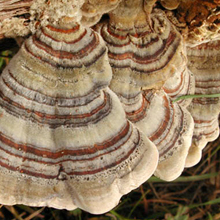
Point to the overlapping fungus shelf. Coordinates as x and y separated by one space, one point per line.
204 63
181 83
64 138
167 125
144 52
143 49
72 134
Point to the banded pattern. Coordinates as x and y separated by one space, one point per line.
167 125
63 133
182 83
144 54
141 53
204 63
206 129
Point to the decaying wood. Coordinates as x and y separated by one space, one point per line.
13 9
197 20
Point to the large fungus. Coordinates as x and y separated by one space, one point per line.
167 125
180 84
144 54
67 140
204 63
64 138
148 51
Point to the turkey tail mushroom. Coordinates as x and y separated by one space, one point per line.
167 125
144 55
180 84
147 53
64 138
204 63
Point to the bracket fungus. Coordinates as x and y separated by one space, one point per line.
65 141
86 116
167 125
198 22
144 52
148 51
204 63
180 84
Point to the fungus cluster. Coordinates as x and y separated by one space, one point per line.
198 21
87 107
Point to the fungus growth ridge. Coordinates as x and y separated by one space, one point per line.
64 135
145 53
92 105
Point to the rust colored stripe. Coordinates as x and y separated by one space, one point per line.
205 101
50 97
77 173
177 88
120 37
49 116
140 113
174 141
66 42
88 150
210 133
60 154
207 86
163 125
129 41
198 126
67 55
113 43
65 31
89 172
203 121
146 59
25 171
57 65
208 80
202 134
